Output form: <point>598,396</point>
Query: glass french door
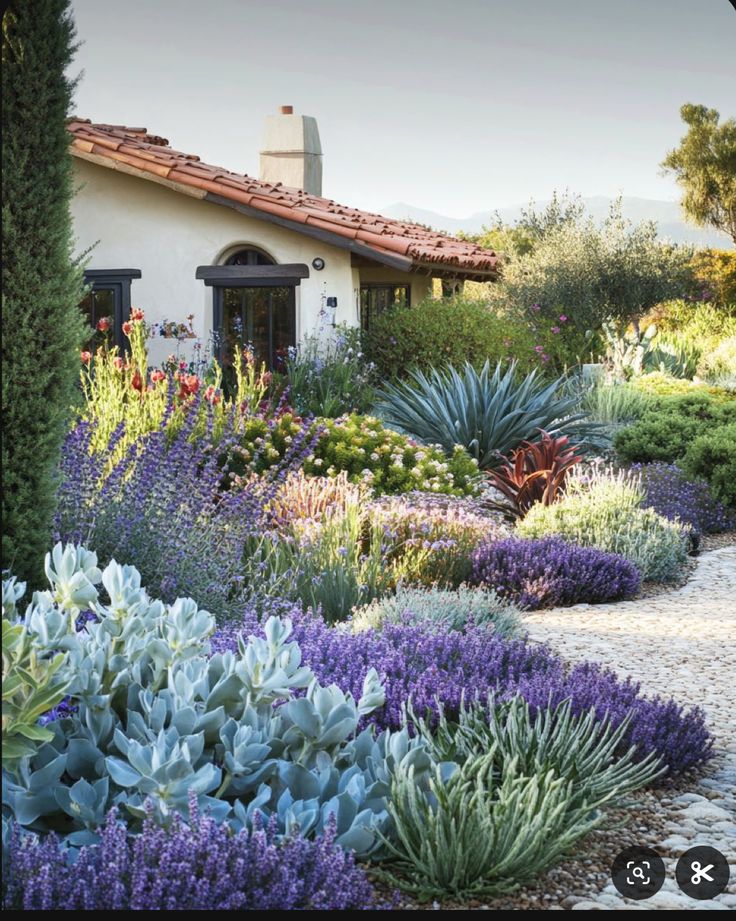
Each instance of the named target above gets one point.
<point>264,317</point>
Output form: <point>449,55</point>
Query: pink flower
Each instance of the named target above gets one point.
<point>136,314</point>
<point>86,357</point>
<point>536,307</point>
<point>118,362</point>
<point>563,318</point>
<point>158,376</point>
<point>103,324</point>
<point>538,348</point>
<point>127,328</point>
<point>555,329</point>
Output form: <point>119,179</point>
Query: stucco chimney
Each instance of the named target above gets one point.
<point>291,152</point>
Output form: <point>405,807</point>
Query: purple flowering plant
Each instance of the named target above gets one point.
<point>167,505</point>
<point>431,667</point>
<point>196,866</point>
<point>672,494</point>
<point>550,571</point>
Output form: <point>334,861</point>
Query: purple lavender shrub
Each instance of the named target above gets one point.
<point>671,494</point>
<point>163,508</point>
<point>198,867</point>
<point>550,571</point>
<point>431,667</point>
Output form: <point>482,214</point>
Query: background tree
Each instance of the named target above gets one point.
<point>42,327</point>
<point>592,274</point>
<point>705,167</point>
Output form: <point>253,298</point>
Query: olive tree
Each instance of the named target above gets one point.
<point>592,274</point>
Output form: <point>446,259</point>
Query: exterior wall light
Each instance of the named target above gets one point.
<point>331,304</point>
<point>318,264</point>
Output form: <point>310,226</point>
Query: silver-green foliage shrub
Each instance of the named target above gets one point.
<point>606,514</point>
<point>440,608</point>
<point>523,791</point>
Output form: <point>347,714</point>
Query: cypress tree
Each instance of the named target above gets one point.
<point>42,327</point>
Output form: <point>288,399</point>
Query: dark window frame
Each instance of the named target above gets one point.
<point>365,316</point>
<point>118,281</point>
<point>251,274</point>
<point>218,317</point>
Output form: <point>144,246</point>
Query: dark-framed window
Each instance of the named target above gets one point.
<point>262,316</point>
<point>253,303</point>
<point>375,298</point>
<point>109,297</point>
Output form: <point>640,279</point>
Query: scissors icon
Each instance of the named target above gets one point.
<point>700,873</point>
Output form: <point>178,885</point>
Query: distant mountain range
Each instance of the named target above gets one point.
<point>667,214</point>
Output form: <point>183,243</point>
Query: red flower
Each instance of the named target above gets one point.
<point>137,381</point>
<point>103,324</point>
<point>136,314</point>
<point>127,328</point>
<point>188,385</point>
<point>86,358</point>
<point>182,365</point>
<point>212,395</point>
<point>158,376</point>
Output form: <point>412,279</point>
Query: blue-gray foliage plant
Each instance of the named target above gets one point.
<point>152,718</point>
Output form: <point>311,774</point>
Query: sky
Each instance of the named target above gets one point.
<point>454,106</point>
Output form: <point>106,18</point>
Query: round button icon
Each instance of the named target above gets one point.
<point>702,872</point>
<point>638,873</point>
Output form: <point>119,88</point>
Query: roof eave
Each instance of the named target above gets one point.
<point>450,271</point>
<point>392,260</point>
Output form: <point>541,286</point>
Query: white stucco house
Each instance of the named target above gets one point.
<point>264,260</point>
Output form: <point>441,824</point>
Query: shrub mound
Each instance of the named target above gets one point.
<point>712,455</point>
<point>607,516</point>
<point>444,331</point>
<point>439,609</point>
<point>671,494</point>
<point>550,571</point>
<point>664,431</point>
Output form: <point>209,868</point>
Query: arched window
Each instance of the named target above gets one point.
<point>254,302</point>
<point>249,256</point>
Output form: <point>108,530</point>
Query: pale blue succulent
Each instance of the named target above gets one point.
<point>86,803</point>
<point>269,668</point>
<point>13,591</point>
<point>31,792</point>
<point>186,628</point>
<point>52,626</point>
<point>123,586</point>
<point>73,574</point>
<point>165,771</point>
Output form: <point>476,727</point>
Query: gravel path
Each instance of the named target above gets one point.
<point>683,645</point>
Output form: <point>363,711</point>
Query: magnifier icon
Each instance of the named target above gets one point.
<point>638,872</point>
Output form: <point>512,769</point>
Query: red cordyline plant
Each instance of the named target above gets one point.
<point>536,472</point>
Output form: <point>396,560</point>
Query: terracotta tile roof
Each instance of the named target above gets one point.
<point>385,239</point>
